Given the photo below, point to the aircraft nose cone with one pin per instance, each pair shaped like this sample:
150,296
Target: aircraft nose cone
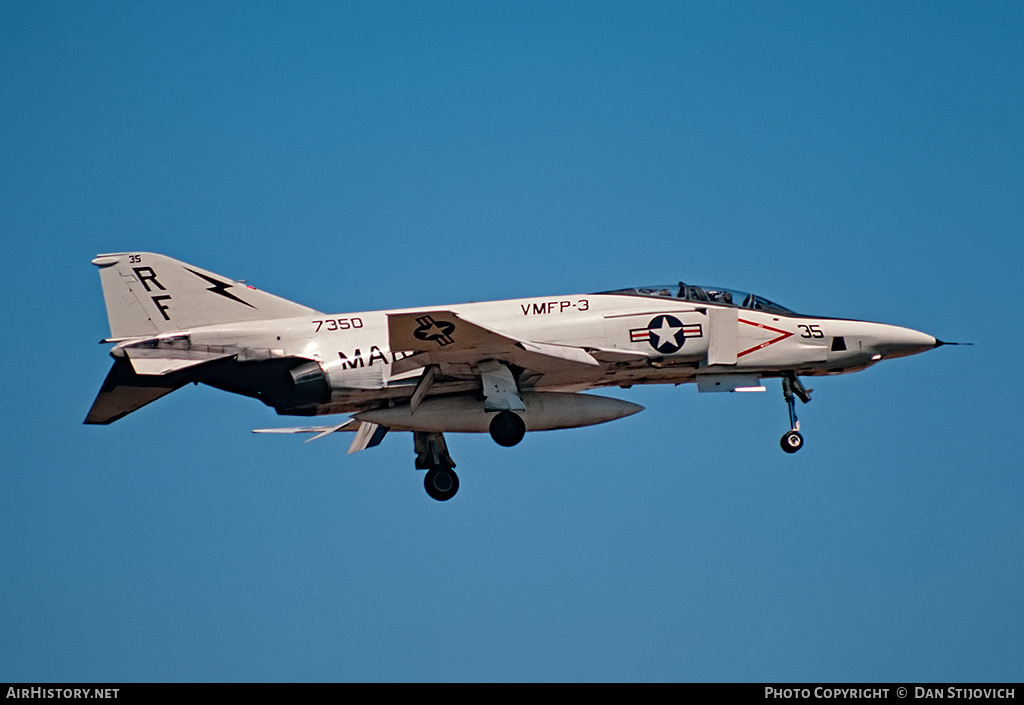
901,342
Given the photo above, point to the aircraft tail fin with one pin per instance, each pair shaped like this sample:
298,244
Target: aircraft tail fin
147,294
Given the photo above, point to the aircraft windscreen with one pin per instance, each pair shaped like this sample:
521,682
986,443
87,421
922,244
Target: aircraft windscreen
708,294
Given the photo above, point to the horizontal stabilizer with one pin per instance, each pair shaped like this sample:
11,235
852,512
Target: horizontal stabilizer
124,391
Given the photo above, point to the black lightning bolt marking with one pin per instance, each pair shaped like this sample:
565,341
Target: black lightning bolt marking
220,287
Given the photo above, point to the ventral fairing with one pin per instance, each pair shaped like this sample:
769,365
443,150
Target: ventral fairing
499,367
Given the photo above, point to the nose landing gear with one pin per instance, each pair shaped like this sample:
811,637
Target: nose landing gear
793,387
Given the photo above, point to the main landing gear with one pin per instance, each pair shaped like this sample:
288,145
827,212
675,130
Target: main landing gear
441,482
501,394
432,455
793,387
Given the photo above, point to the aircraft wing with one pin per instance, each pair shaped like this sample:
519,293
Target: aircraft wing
445,339
368,434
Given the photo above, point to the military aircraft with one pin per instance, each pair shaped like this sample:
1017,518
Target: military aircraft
498,367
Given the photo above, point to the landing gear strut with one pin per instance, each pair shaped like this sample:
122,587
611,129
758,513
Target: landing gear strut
793,387
432,455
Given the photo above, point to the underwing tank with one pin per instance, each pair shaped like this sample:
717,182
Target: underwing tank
545,411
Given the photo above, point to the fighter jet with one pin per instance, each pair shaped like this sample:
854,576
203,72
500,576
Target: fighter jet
497,367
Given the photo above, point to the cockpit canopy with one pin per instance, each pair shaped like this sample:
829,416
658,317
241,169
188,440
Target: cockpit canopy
706,294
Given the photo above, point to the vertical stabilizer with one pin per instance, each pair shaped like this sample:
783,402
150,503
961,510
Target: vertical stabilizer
148,294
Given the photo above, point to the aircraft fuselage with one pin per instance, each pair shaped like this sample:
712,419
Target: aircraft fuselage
662,342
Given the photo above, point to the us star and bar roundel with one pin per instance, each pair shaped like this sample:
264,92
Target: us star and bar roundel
666,334
439,331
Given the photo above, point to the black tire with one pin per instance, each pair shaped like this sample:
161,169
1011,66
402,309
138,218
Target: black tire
441,483
792,442
507,429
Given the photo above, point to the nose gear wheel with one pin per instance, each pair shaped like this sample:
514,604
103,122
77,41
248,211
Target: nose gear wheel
792,442
793,388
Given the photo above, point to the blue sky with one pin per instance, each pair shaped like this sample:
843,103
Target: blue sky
850,159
